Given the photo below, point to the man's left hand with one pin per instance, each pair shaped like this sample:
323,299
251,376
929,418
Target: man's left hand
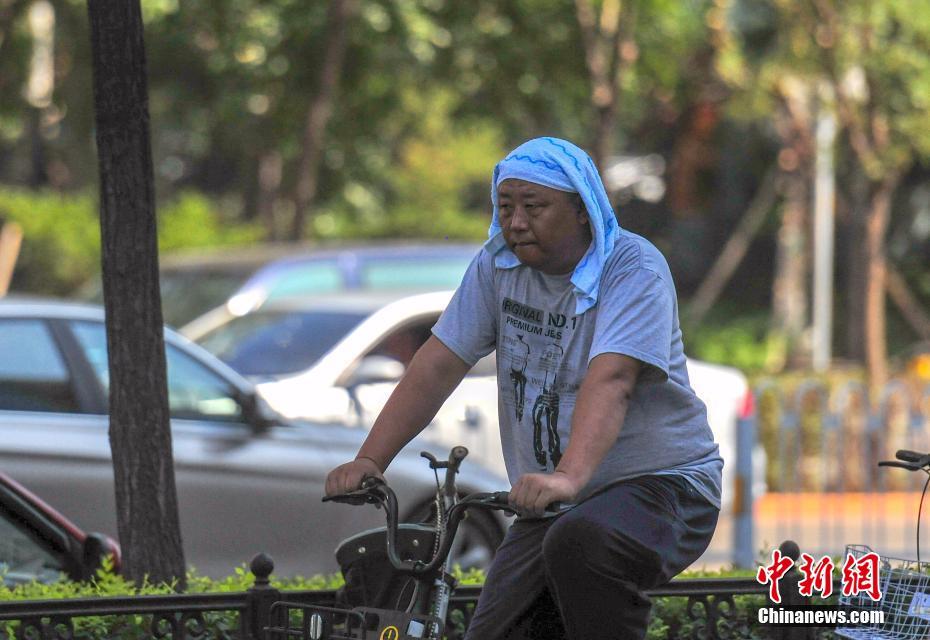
534,491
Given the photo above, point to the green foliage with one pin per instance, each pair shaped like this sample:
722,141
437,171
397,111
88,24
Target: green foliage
194,221
437,187
61,239
872,54
106,583
738,340
61,235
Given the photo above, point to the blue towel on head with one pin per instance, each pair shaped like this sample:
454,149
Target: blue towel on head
559,164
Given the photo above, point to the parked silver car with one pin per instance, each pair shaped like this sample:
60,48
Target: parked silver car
248,480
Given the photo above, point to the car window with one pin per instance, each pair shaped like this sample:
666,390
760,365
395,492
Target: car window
402,343
433,273
22,558
33,375
194,391
300,279
270,343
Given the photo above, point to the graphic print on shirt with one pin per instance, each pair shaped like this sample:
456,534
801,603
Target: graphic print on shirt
518,353
532,342
546,408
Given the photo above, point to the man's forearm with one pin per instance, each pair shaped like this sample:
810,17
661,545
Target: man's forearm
432,375
600,409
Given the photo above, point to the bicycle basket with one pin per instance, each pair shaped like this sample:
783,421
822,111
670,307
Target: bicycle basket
371,580
905,601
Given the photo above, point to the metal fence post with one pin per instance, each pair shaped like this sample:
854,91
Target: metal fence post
257,613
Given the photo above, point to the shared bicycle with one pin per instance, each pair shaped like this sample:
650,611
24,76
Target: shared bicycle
397,578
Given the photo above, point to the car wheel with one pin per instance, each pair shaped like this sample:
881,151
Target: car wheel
476,540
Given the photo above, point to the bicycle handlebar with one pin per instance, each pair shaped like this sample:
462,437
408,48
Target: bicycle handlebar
908,456
551,508
362,495
376,491
906,459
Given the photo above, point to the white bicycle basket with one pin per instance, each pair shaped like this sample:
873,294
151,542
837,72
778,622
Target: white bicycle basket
905,601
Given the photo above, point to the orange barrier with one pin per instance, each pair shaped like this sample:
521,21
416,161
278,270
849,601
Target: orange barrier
812,505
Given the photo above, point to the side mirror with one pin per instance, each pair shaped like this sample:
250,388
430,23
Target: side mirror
255,412
96,546
375,369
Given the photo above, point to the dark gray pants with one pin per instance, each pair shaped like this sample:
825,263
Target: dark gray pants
581,575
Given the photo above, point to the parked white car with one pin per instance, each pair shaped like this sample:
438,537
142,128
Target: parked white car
337,358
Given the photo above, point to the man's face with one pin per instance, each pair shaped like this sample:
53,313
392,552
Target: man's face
547,229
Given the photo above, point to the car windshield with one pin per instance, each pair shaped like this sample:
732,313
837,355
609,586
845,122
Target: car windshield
422,273
442,272
187,294
272,343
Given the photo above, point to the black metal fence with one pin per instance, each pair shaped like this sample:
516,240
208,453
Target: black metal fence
709,605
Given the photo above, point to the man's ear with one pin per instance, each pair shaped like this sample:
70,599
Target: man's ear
581,212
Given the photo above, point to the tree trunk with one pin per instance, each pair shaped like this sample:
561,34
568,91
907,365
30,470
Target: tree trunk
875,228
338,15
38,174
609,51
41,85
856,264
789,289
270,165
140,436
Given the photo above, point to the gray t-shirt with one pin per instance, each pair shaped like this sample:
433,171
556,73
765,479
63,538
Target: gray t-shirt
543,351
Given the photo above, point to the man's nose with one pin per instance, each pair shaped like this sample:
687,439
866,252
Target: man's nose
519,220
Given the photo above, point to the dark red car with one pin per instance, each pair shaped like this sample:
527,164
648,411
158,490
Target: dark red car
39,543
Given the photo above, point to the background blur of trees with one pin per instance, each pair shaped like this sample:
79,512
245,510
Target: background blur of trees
284,120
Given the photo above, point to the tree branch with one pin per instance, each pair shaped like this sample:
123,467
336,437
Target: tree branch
907,302
734,250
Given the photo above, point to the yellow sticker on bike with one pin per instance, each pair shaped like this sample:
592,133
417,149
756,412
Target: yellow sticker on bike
390,633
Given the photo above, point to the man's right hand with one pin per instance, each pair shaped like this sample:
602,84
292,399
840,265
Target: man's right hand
348,477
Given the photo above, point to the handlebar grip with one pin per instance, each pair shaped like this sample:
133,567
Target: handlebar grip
910,466
503,497
908,456
360,496
457,454
349,498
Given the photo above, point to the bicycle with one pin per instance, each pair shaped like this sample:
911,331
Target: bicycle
904,584
397,581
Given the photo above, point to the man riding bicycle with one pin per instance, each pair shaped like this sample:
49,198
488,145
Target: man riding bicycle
631,461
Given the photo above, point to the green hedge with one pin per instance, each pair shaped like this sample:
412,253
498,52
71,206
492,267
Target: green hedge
667,612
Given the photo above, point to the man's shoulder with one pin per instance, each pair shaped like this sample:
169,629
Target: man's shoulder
484,259
632,251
